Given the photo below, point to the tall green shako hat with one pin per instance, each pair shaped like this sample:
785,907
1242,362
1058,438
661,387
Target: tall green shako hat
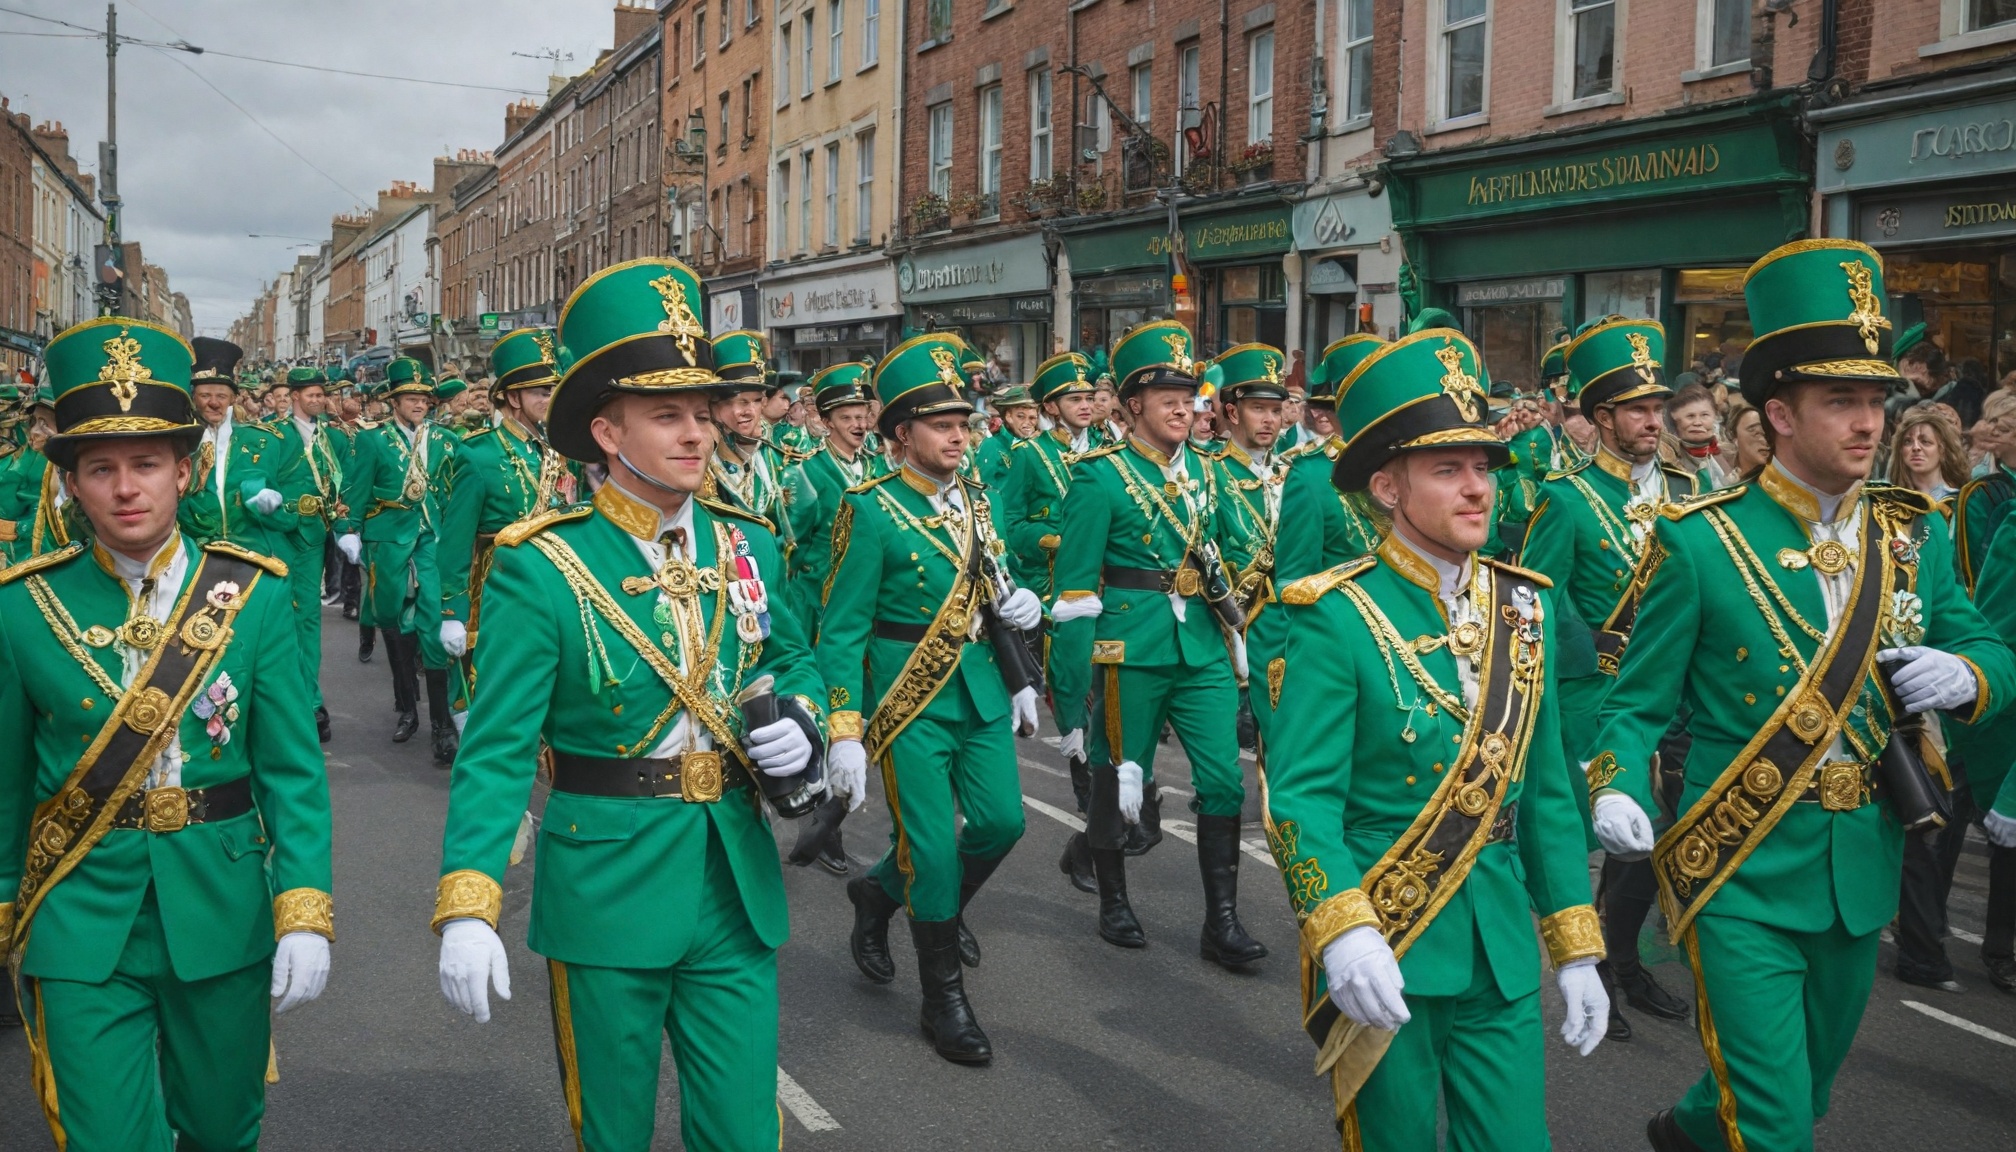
742,360
1339,359
1155,355
525,358
1426,390
114,377
1250,372
838,385
1061,375
1817,309
410,375
1618,360
921,377
216,362
632,327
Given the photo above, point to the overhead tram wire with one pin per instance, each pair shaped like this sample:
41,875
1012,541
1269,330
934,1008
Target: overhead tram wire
260,124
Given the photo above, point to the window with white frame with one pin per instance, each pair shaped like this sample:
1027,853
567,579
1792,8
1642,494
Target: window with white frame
1724,32
783,205
1354,52
805,199
1260,87
864,185
1039,124
990,150
940,140
727,24
1463,41
836,25
699,35
805,81
833,194
783,63
1142,77
1592,32
1188,60
1989,14
871,32
748,12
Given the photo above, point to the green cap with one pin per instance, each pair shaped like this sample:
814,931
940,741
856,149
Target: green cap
921,377
449,387
1817,309
1425,390
1431,318
114,377
298,377
631,327
1336,365
408,376
838,385
1617,361
525,358
741,359
1554,364
1014,396
1906,340
1250,372
1155,355
1062,374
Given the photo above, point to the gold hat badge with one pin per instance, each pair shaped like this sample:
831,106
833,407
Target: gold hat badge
1460,386
679,318
124,370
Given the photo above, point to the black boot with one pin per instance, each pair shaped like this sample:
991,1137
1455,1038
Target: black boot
869,941
322,732
1147,832
947,1017
367,638
1117,925
1077,863
819,837
1619,1028
974,872
1665,1135
1224,939
440,717
1643,993
405,684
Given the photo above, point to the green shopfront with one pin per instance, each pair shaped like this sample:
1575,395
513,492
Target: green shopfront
1655,217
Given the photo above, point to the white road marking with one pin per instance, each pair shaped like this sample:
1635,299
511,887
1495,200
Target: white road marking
1185,831
1040,767
1963,934
1957,1022
802,1107
1055,813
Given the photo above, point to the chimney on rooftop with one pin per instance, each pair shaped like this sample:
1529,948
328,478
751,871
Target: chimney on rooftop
632,21
517,115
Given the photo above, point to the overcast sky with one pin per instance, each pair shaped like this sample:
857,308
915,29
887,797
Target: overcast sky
197,174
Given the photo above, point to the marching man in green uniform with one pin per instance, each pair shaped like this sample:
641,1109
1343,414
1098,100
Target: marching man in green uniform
1590,535
1019,423
915,594
388,526
1416,797
658,902
1144,601
242,473
1802,620
304,430
1039,472
1251,395
747,469
160,781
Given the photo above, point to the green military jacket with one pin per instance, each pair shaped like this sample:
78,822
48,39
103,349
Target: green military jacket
990,457
218,884
1726,623
501,477
1978,513
28,518
1121,512
1032,505
898,560
1988,748
1325,528
1359,750
815,488
618,880
386,491
257,458
754,482
320,477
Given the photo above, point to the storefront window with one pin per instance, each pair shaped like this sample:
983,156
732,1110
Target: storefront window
1715,323
1967,299
1252,306
1513,337
1634,294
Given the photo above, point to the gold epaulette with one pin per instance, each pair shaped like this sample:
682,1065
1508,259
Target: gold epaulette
1309,589
723,508
272,564
1916,502
1096,453
869,484
37,563
1571,470
519,531
478,433
1524,573
1705,500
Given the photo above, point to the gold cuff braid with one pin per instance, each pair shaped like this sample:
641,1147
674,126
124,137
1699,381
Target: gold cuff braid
1333,917
6,924
1572,934
843,726
467,894
304,910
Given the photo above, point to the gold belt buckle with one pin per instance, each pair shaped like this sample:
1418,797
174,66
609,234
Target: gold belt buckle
1841,786
165,810
1189,581
310,505
700,777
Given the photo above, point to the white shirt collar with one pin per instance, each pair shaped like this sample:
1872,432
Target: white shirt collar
1453,578
1830,506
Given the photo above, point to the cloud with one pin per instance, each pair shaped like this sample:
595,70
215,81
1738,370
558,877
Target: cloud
197,175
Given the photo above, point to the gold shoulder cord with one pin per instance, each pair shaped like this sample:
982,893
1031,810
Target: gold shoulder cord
1149,496
69,635
1390,644
1062,481
1612,526
904,519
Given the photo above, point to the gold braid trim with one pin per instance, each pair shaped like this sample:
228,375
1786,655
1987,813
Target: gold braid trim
467,893
1339,914
1572,934
844,726
304,910
6,921
1601,771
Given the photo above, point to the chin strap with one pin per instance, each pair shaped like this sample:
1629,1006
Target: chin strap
647,477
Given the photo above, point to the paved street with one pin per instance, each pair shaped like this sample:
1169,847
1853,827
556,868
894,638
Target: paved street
1097,1048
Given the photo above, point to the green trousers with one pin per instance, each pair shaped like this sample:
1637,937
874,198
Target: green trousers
304,578
388,575
1778,1012
717,1005
145,1058
1483,1054
944,757
1200,704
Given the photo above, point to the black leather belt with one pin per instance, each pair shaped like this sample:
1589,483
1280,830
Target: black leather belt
901,633
633,778
1141,579
172,809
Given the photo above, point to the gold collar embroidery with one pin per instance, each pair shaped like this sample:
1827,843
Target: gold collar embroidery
155,567
627,512
1151,455
1797,499
924,485
1614,464
1410,564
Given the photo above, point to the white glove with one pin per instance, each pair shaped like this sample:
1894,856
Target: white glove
1239,656
1130,791
1076,608
1588,1005
780,748
2001,829
472,957
1926,678
300,969
1365,980
1622,827
264,501
1022,609
351,547
454,637
461,718
1023,712
847,771
1073,744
